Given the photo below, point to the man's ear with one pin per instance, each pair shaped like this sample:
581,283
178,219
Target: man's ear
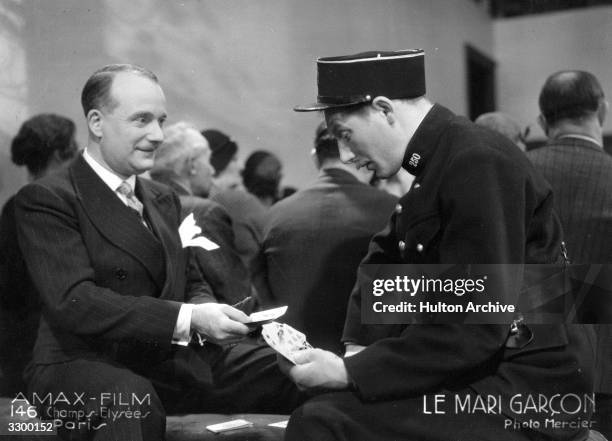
385,105
542,123
94,122
602,111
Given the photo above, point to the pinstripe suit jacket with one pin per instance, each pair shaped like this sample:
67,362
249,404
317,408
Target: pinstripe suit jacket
580,173
110,287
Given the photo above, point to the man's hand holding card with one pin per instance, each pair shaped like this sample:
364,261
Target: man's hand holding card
284,339
316,369
312,368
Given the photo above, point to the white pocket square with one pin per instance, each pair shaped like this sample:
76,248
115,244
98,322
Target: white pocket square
188,230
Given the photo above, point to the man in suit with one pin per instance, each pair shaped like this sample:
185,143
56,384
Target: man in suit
314,241
475,199
572,112
102,247
246,211
183,163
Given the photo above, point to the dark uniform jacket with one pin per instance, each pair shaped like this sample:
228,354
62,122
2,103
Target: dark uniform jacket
313,243
475,199
580,174
110,287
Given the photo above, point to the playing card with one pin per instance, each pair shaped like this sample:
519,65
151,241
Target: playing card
284,339
261,317
229,425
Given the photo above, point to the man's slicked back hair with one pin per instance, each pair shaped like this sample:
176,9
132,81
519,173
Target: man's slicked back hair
570,94
96,92
325,145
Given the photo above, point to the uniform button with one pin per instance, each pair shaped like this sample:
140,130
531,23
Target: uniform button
401,245
398,208
120,273
420,247
417,185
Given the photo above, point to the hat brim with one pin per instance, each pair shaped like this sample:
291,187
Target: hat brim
314,107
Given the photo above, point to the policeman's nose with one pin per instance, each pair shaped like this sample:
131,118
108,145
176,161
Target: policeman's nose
346,155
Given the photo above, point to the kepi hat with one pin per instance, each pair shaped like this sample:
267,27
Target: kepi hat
354,79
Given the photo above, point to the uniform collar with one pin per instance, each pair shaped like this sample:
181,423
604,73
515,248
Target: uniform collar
424,141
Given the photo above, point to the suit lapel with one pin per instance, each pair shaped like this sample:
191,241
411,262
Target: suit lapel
115,221
159,207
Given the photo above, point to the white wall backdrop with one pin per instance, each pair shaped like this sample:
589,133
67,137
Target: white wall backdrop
529,49
237,65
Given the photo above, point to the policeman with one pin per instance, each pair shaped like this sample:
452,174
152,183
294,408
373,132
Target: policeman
475,199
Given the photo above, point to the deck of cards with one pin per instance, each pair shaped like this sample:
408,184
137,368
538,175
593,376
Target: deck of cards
284,339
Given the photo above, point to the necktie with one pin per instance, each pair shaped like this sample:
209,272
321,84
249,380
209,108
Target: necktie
132,201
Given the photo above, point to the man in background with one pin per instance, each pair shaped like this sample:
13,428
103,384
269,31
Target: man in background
504,124
246,211
224,159
183,163
313,243
572,112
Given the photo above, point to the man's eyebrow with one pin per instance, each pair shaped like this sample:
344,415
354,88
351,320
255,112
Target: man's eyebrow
143,114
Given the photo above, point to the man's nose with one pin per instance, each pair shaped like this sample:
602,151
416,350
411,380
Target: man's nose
346,155
156,134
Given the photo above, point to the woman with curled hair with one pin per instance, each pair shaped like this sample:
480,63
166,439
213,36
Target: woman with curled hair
44,143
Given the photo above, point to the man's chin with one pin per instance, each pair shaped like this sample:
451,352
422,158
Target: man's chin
142,167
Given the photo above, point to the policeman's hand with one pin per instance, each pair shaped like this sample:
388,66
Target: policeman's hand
219,323
316,368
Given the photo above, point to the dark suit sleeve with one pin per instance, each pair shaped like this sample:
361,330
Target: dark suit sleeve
60,266
483,210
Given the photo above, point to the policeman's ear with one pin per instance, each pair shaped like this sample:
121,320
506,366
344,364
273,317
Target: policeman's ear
602,111
384,105
94,122
542,123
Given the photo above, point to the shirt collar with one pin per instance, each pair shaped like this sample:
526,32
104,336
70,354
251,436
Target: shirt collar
583,137
110,179
424,141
